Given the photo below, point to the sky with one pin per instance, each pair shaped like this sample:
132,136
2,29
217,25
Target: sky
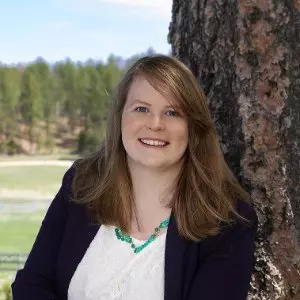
82,29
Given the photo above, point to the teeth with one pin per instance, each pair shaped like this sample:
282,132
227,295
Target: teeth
153,143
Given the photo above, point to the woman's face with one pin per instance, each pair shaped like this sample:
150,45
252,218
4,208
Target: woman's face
154,131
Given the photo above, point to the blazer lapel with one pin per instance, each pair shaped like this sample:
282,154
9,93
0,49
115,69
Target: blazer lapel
176,248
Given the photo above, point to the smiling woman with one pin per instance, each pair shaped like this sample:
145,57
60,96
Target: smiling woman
155,213
152,124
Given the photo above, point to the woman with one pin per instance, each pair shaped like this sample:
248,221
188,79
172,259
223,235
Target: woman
155,213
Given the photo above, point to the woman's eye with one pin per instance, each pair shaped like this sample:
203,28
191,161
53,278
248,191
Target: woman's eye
172,113
141,109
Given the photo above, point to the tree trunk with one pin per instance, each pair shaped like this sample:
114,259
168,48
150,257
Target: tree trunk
246,56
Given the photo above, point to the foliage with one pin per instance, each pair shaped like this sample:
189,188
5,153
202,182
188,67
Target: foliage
37,94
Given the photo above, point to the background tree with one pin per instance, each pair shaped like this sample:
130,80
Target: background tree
246,56
57,103
31,104
111,73
48,99
9,106
93,107
66,75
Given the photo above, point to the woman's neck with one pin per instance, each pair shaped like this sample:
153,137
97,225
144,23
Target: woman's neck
152,192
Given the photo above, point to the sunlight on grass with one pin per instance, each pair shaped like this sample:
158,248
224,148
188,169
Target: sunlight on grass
18,232
22,157
21,214
46,179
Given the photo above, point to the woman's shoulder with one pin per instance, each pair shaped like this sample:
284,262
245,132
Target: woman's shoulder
67,179
76,176
235,234
66,188
244,225
69,175
247,211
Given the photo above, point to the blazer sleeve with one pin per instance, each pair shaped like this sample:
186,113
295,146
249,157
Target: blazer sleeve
36,280
226,268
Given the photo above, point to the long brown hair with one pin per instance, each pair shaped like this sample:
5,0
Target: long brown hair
206,190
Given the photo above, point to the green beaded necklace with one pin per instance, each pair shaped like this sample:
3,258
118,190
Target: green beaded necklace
136,249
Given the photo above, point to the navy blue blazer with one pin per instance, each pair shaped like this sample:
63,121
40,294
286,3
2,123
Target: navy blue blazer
215,268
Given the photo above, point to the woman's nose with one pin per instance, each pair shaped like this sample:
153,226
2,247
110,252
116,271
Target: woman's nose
155,123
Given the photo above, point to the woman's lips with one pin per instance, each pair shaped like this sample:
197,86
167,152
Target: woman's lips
153,142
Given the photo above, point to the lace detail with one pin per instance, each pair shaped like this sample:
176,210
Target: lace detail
110,270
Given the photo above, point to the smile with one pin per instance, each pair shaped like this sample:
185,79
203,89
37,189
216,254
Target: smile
155,143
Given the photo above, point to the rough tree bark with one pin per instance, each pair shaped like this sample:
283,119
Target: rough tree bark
246,56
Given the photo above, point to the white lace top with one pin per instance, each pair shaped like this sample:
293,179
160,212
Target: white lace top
110,270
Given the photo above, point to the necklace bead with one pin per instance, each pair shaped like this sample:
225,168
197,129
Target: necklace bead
136,249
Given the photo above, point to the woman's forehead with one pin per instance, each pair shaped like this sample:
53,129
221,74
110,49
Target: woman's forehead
143,87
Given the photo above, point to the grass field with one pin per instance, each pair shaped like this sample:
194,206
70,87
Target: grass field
23,157
25,195
17,232
45,179
20,222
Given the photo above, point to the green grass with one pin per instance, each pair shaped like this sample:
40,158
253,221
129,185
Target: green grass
44,179
23,157
18,232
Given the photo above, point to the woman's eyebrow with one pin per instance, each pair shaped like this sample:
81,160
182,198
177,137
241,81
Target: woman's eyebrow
140,102
173,106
